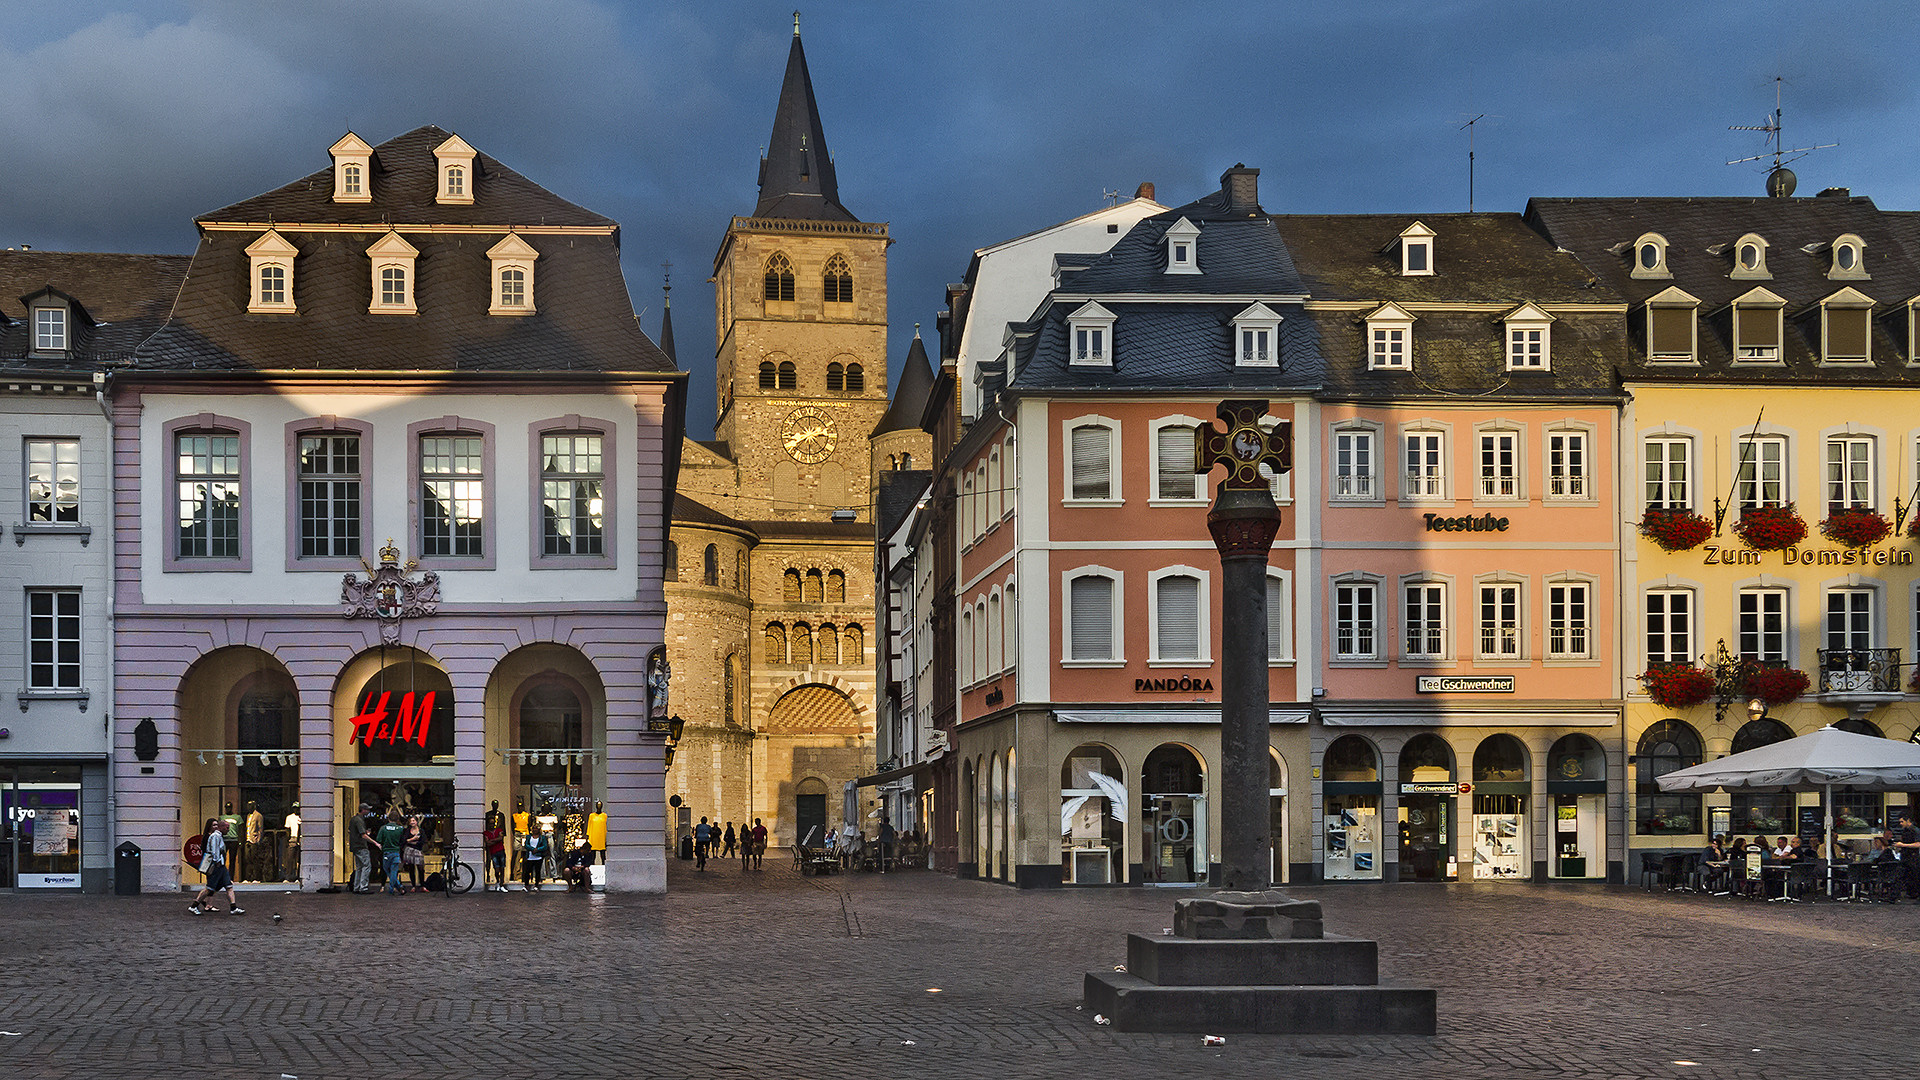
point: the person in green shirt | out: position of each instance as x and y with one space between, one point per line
390 838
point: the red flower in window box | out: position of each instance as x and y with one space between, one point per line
1677 686
1675 530
1775 685
1856 528
1771 527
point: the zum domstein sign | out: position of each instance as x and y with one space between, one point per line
1716 555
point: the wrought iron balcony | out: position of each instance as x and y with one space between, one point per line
1860 671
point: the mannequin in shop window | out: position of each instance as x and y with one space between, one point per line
494 834
597 832
520 828
233 822
256 847
413 853
291 870
548 822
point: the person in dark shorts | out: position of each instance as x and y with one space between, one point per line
213 863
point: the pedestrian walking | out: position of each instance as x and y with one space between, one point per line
362 854
533 858
886 842
702 836
728 842
1908 847
391 838
494 833
759 845
213 863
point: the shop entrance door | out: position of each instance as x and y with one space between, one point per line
1175 841
1579 836
810 813
1425 836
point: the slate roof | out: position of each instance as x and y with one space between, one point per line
910 396
1236 256
117 301
690 512
796 175
1485 260
899 491
1798 231
1184 345
404 179
583 321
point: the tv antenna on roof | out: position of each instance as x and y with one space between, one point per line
1468 127
1780 179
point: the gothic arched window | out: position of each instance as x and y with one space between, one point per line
710 569
856 378
839 281
779 278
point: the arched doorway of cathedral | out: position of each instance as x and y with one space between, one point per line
810 811
546 743
240 737
813 732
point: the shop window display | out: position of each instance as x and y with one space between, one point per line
1093 817
1174 817
1501 851
1426 810
1665 747
1351 771
41 841
1577 798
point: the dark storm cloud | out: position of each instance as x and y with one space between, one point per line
959 124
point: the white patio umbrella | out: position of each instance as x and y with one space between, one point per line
1822 761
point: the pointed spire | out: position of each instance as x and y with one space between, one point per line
796 172
910 397
666 316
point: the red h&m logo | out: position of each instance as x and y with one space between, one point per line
409 725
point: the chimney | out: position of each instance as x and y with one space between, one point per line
1241 185
1835 193
1144 191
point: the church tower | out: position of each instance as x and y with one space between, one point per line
771 618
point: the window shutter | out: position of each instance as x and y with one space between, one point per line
1672 331
1174 461
1846 333
1179 612
1092 630
1276 620
1756 328
1092 463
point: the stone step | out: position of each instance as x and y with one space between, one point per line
1137 1005
1174 961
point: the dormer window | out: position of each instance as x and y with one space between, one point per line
1257 331
512 263
49 329
1650 257
1849 259
456 172
1390 339
1416 250
352 160
1529 339
392 275
1750 258
1183 248
1090 336
1672 324
1846 328
1757 326
272 275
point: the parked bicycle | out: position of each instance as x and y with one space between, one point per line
456 876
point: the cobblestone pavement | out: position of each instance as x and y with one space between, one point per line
774 975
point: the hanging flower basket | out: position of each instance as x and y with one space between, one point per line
1675 530
1770 528
1677 686
1855 528
1775 686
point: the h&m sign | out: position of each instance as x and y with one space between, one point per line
409 724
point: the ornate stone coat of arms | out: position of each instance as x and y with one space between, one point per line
389 594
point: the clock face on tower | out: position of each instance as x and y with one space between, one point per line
808 434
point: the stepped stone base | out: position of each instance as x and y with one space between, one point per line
1316 962
1135 1004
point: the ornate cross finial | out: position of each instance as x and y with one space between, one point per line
796 24
666 279
1243 447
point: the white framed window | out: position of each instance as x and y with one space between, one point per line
1750 258
969 515
1757 326
1423 620
1174 480
1093 617
1257 330
573 497
1499 466
272 259
1569 464
1850 473
208 495
351 158
1177 623
453 486
331 476
967 650
1416 250
1846 328
455 159
393 260
1356 463
1279 616
1569 620
1389 339
1673 327
1529 339
996 642
1424 466
1356 620
1761 471
1501 634
511 261
1762 623
53 639
49 329
980 516
53 481
1650 257
994 482
1669 472
1848 259
1183 247
1669 626
1090 336
1851 622
1091 442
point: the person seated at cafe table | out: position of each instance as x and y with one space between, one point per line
1783 849
1713 865
1881 853
1806 850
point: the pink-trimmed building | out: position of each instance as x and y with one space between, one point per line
390 495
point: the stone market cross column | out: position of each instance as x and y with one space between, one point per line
1243 520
